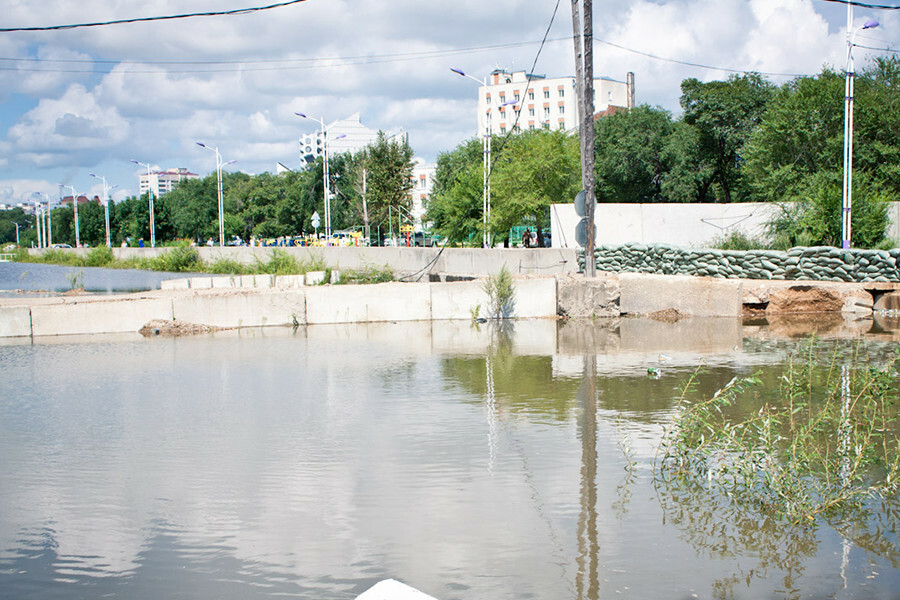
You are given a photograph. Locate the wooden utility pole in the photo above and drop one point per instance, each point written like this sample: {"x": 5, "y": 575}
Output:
{"x": 583, "y": 37}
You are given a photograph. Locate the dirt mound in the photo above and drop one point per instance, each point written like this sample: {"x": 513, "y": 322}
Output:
{"x": 173, "y": 328}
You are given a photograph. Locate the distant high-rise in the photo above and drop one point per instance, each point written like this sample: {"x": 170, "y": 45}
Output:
{"x": 345, "y": 135}
{"x": 162, "y": 182}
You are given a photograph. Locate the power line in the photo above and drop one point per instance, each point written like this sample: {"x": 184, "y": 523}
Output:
{"x": 237, "y": 11}
{"x": 316, "y": 63}
{"x": 864, "y": 4}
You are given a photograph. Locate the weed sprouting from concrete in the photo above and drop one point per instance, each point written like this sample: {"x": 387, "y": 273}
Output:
{"x": 501, "y": 291}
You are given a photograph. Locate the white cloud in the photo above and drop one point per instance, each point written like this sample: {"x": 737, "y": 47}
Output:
{"x": 388, "y": 71}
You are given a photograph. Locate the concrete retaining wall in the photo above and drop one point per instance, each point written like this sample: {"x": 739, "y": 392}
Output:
{"x": 220, "y": 306}
{"x": 822, "y": 263}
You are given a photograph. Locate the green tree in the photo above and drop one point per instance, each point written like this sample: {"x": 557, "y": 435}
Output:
{"x": 455, "y": 205}
{"x": 724, "y": 114}
{"x": 629, "y": 159}
{"x": 535, "y": 169}
{"x": 388, "y": 176}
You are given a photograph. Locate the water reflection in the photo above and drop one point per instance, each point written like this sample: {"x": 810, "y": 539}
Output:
{"x": 468, "y": 462}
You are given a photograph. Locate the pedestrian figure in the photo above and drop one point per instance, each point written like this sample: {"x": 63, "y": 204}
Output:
{"x": 526, "y": 238}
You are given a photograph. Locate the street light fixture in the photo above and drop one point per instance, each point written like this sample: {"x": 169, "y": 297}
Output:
{"x": 326, "y": 188}
{"x": 75, "y": 205}
{"x": 219, "y": 165}
{"x": 106, "y": 189}
{"x": 150, "y": 197}
{"x": 847, "y": 196}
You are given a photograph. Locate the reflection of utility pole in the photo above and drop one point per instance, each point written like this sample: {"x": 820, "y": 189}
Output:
{"x": 587, "y": 583}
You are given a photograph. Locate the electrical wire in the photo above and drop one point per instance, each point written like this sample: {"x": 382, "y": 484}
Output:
{"x": 863, "y": 4}
{"x": 331, "y": 62}
{"x": 236, "y": 11}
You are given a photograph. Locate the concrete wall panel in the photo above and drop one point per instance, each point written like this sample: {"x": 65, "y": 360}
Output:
{"x": 106, "y": 316}
{"x": 536, "y": 298}
{"x": 241, "y": 309}
{"x": 696, "y": 296}
{"x": 15, "y": 321}
{"x": 381, "y": 302}
{"x": 457, "y": 300}
{"x": 175, "y": 284}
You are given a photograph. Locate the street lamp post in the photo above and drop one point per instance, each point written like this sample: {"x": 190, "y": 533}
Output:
{"x": 17, "y": 231}
{"x": 150, "y": 198}
{"x": 847, "y": 196}
{"x": 326, "y": 187}
{"x": 75, "y": 205}
{"x": 486, "y": 161}
{"x": 106, "y": 189}
{"x": 219, "y": 165}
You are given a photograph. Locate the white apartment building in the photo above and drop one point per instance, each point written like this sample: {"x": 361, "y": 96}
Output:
{"x": 422, "y": 184}
{"x": 345, "y": 135}
{"x": 162, "y": 182}
{"x": 509, "y": 101}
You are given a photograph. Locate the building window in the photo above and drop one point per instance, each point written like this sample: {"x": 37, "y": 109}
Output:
{"x": 531, "y": 95}
{"x": 562, "y": 110}
{"x": 546, "y": 93}
{"x": 547, "y": 125}
{"x": 531, "y": 126}
{"x": 487, "y": 100}
{"x": 562, "y": 92}
{"x": 531, "y": 112}
{"x": 516, "y": 98}
{"x": 547, "y": 112}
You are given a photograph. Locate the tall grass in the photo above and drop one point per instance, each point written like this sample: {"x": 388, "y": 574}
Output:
{"x": 180, "y": 258}
{"x": 827, "y": 447}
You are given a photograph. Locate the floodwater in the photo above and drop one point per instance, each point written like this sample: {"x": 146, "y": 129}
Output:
{"x": 467, "y": 462}
{"x": 32, "y": 278}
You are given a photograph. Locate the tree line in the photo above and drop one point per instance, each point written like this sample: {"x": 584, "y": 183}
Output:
{"x": 739, "y": 140}
{"x": 262, "y": 206}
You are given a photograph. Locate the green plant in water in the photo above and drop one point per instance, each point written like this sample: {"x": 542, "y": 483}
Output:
{"x": 827, "y": 448}
{"x": 75, "y": 279}
{"x": 501, "y": 291}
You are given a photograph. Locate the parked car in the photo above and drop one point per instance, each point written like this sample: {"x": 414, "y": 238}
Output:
{"x": 60, "y": 246}
{"x": 422, "y": 239}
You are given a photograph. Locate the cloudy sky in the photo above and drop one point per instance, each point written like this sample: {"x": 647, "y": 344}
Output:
{"x": 87, "y": 100}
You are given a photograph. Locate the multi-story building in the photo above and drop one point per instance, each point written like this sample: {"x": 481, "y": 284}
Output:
{"x": 345, "y": 135}
{"x": 422, "y": 184}
{"x": 162, "y": 182}
{"x": 510, "y": 102}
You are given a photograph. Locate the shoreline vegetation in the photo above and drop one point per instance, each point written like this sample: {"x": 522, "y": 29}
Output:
{"x": 823, "y": 442}
{"x": 184, "y": 258}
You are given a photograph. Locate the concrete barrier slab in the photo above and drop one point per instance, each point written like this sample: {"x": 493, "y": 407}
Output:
{"x": 458, "y": 300}
{"x": 315, "y": 277}
{"x": 290, "y": 282}
{"x": 224, "y": 282}
{"x": 241, "y": 308}
{"x": 201, "y": 283}
{"x": 535, "y": 298}
{"x": 697, "y": 296}
{"x": 367, "y": 303}
{"x": 263, "y": 281}
{"x": 118, "y": 315}
{"x": 15, "y": 321}
{"x": 175, "y": 284}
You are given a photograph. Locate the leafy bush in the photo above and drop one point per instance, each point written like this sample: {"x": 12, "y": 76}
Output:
{"x": 179, "y": 259}
{"x": 100, "y": 256}
{"x": 738, "y": 240}
{"x": 816, "y": 220}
